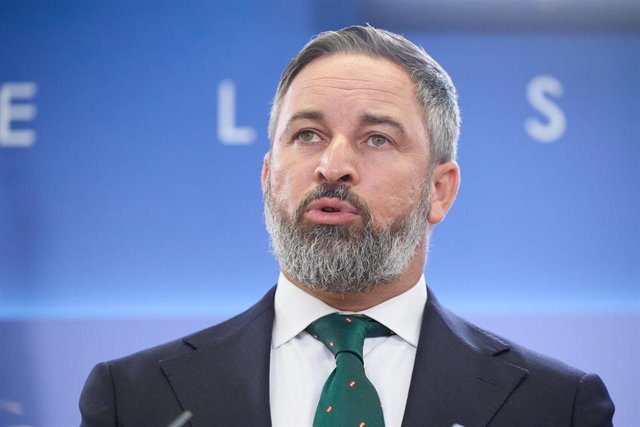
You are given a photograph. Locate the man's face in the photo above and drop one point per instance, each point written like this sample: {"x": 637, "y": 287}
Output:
{"x": 350, "y": 156}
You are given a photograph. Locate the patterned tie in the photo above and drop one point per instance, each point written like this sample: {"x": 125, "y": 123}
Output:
{"x": 348, "y": 398}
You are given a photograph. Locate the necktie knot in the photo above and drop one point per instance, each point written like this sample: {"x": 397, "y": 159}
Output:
{"x": 346, "y": 333}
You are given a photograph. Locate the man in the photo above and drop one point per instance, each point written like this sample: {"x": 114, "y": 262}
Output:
{"x": 363, "y": 135}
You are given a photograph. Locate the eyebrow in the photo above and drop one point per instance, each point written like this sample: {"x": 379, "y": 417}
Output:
{"x": 302, "y": 115}
{"x": 371, "y": 119}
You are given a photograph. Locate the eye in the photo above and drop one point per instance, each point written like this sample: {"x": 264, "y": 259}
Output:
{"x": 378, "y": 141}
{"x": 307, "y": 137}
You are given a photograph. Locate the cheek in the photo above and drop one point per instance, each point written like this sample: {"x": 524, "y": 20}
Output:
{"x": 395, "y": 196}
{"x": 291, "y": 174}
{"x": 285, "y": 189}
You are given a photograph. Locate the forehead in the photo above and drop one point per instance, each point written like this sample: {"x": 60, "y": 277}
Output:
{"x": 353, "y": 71}
{"x": 351, "y": 80}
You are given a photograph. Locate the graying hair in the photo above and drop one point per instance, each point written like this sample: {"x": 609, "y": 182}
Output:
{"x": 435, "y": 90}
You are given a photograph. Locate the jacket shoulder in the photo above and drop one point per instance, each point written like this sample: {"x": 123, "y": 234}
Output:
{"x": 136, "y": 389}
{"x": 210, "y": 335}
{"x": 491, "y": 344}
{"x": 552, "y": 392}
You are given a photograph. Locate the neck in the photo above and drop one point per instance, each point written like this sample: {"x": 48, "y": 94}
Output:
{"x": 376, "y": 294}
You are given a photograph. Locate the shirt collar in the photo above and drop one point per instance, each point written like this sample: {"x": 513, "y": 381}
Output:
{"x": 295, "y": 309}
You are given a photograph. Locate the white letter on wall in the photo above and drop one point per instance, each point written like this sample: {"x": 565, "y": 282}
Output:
{"x": 537, "y": 91}
{"x": 10, "y": 113}
{"x": 228, "y": 133}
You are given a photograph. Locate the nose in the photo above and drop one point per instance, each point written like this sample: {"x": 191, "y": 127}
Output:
{"x": 338, "y": 163}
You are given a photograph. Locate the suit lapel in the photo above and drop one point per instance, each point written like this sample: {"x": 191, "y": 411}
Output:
{"x": 225, "y": 380}
{"x": 456, "y": 376}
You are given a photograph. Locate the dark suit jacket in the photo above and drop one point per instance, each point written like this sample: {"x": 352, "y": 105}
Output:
{"x": 461, "y": 375}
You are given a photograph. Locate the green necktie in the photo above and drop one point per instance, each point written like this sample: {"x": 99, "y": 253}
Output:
{"x": 348, "y": 398}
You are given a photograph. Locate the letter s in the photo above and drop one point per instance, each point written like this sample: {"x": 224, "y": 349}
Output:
{"x": 538, "y": 90}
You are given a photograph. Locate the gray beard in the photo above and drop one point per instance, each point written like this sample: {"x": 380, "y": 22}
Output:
{"x": 345, "y": 259}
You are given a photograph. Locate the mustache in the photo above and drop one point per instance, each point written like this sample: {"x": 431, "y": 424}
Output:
{"x": 337, "y": 191}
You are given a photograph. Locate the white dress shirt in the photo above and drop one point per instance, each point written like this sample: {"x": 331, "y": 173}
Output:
{"x": 300, "y": 364}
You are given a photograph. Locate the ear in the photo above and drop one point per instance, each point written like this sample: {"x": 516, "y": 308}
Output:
{"x": 444, "y": 187}
{"x": 265, "y": 171}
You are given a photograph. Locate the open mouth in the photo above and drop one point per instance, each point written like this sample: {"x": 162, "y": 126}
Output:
{"x": 330, "y": 210}
{"x": 331, "y": 205}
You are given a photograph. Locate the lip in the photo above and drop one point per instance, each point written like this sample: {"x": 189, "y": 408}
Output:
{"x": 344, "y": 211}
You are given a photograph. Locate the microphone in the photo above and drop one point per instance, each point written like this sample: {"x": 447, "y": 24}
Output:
{"x": 181, "y": 420}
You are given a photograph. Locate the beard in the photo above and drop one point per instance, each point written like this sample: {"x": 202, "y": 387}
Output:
{"x": 345, "y": 259}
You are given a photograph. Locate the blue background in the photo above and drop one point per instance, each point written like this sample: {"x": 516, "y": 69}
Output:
{"x": 128, "y": 222}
